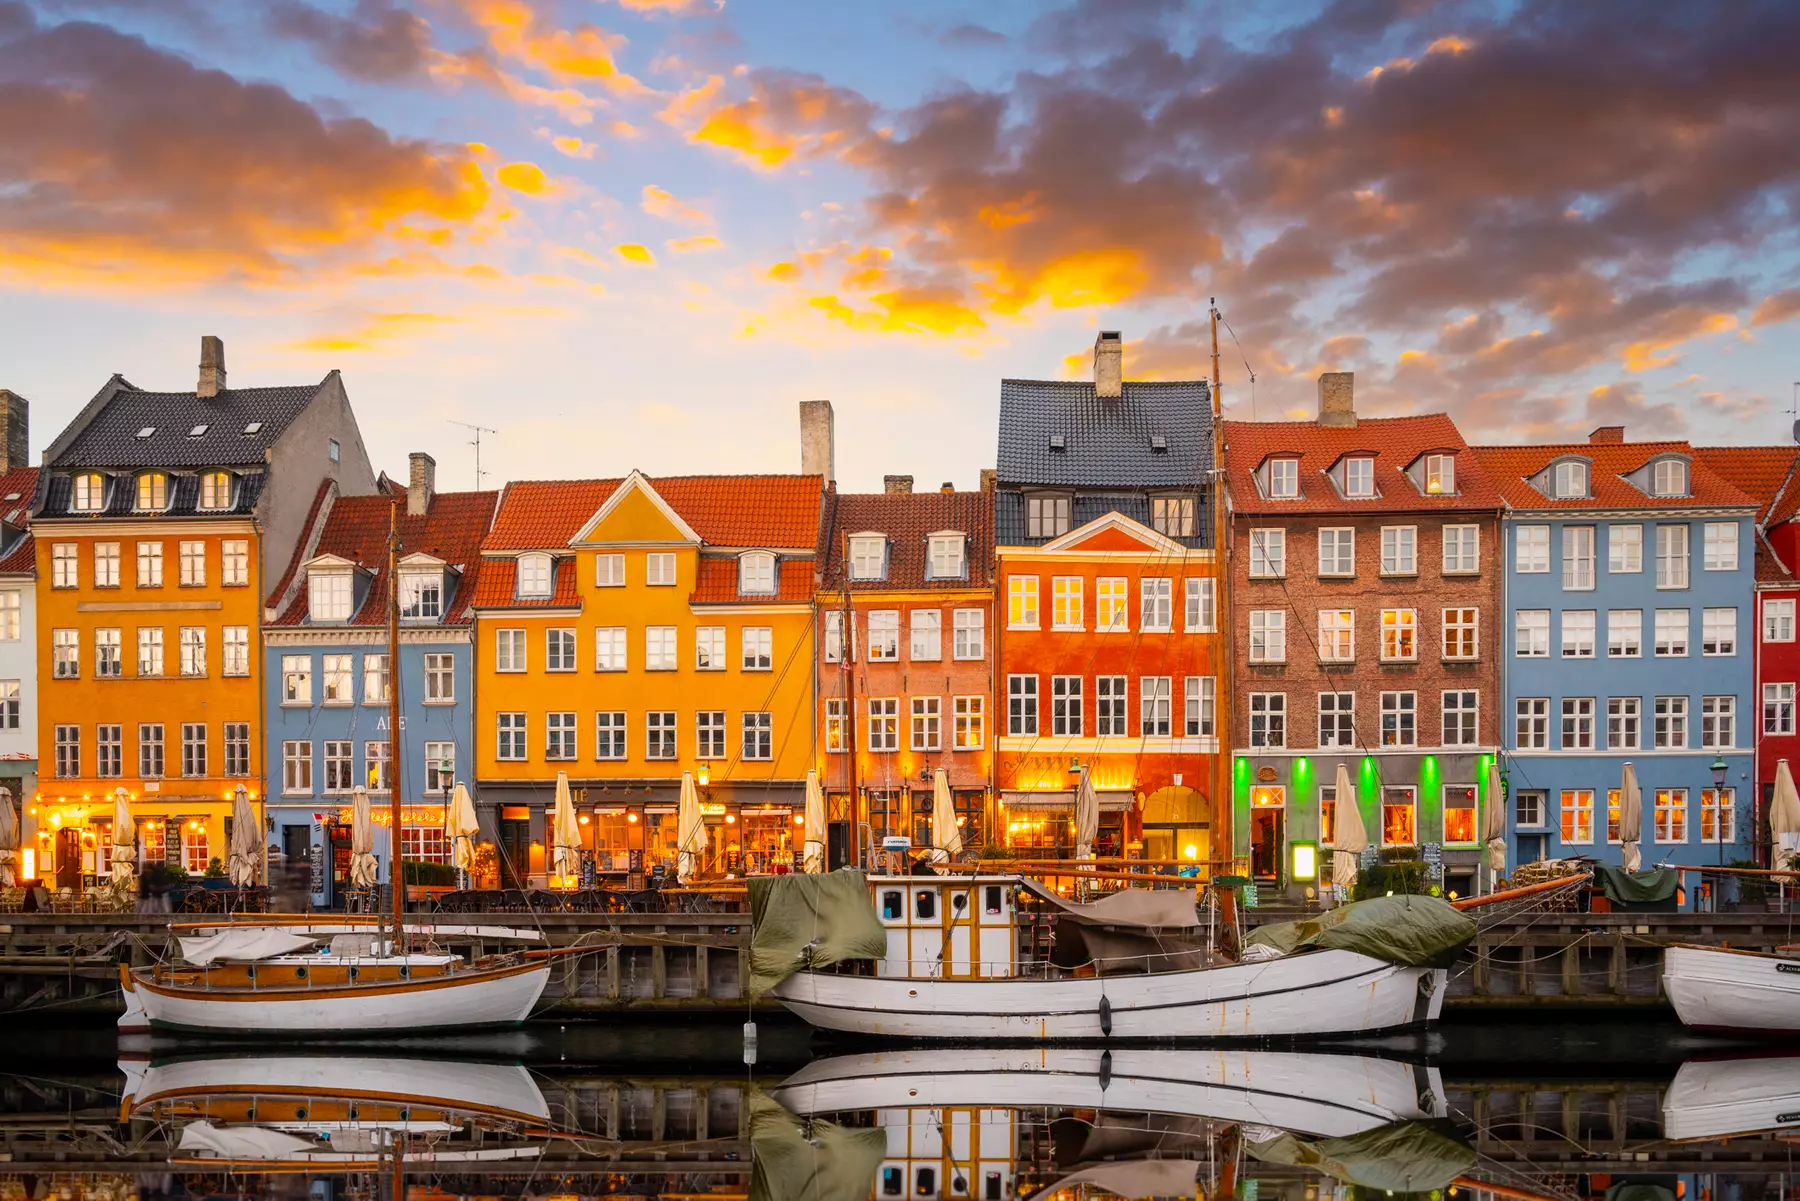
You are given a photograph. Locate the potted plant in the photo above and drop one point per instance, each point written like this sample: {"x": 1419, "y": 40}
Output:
{"x": 215, "y": 877}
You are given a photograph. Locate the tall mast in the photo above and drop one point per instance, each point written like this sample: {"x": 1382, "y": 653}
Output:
{"x": 397, "y": 870}
{"x": 848, "y": 648}
{"x": 1224, "y": 640}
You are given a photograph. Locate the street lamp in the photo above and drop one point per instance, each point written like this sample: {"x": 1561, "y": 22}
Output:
{"x": 1720, "y": 769}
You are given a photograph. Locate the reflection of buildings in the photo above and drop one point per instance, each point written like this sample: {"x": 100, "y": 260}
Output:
{"x": 1108, "y": 645}
{"x": 18, "y": 623}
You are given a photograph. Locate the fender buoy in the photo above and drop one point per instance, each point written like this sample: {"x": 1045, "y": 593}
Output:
{"x": 1105, "y": 1017}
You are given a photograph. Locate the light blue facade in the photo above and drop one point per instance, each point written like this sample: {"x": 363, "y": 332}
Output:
{"x": 1552, "y": 767}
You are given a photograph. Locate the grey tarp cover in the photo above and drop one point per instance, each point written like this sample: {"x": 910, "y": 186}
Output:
{"x": 831, "y": 913}
{"x": 1657, "y": 884}
{"x": 1401, "y": 1157}
{"x": 1412, "y": 931}
{"x": 795, "y": 1160}
{"x": 1132, "y": 930}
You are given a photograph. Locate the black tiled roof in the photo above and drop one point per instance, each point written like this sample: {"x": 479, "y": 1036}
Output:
{"x": 121, "y": 496}
{"x": 1009, "y": 515}
{"x": 1107, "y": 443}
{"x": 111, "y": 440}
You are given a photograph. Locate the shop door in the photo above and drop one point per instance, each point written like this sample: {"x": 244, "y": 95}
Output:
{"x": 837, "y": 845}
{"x": 68, "y": 857}
{"x": 1266, "y": 827}
{"x": 515, "y": 852}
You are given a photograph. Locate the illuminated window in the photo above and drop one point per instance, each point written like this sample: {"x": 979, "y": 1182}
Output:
{"x": 152, "y": 492}
{"x": 1459, "y": 813}
{"x": 1399, "y": 817}
{"x": 1578, "y": 816}
{"x": 1440, "y": 475}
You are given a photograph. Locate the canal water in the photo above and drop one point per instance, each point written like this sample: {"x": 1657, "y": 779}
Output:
{"x": 1613, "y": 1109}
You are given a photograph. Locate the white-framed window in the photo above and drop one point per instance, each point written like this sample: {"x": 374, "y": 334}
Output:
{"x": 1578, "y": 558}
{"x": 1461, "y": 717}
{"x": 1284, "y": 479}
{"x": 109, "y": 655}
{"x": 509, "y": 731}
{"x": 969, "y": 640}
{"x": 1337, "y": 719}
{"x": 868, "y": 556}
{"x": 837, "y": 723}
{"x": 1399, "y": 817}
{"x": 834, "y": 640}
{"x": 1718, "y": 815}
{"x": 1462, "y": 549}
{"x": 296, "y": 769}
{"x": 1172, "y": 516}
{"x": 884, "y": 635}
{"x": 1532, "y": 723}
{"x": 422, "y": 595}
{"x": 559, "y": 735}
{"x": 296, "y": 679}
{"x": 1671, "y": 556}
{"x": 65, "y": 649}
{"x": 1155, "y": 704}
{"x": 1577, "y": 816}
{"x": 340, "y": 767}
{"x": 1156, "y": 604}
{"x": 559, "y": 650}
{"x": 759, "y": 648}
{"x": 328, "y": 595}
{"x": 611, "y": 653}
{"x": 1201, "y": 616}
{"x": 68, "y": 752}
{"x": 1268, "y": 636}
{"x": 237, "y": 748}
{"x": 10, "y": 698}
{"x": 89, "y": 494}
{"x": 1201, "y": 706}
{"x": 1532, "y": 633}
{"x": 1440, "y": 475}
{"x": 659, "y": 734}
{"x": 970, "y": 731}
{"x": 193, "y": 564}
{"x": 884, "y": 724}
{"x": 1359, "y": 478}
{"x": 193, "y": 749}
{"x": 1624, "y": 549}
{"x": 1718, "y": 722}
{"x": 660, "y": 569}
{"x": 756, "y": 574}
{"x": 424, "y": 844}
{"x": 150, "y": 750}
{"x": 150, "y": 651}
{"x": 1046, "y": 516}
{"x": 65, "y": 569}
{"x": 534, "y": 575}
{"x": 1719, "y": 550}
{"x": 609, "y": 571}
{"x": 1399, "y": 550}
{"x": 1268, "y": 554}
{"x": 1671, "y": 815}
{"x": 1022, "y": 602}
{"x": 1718, "y": 632}
{"x": 927, "y": 723}
{"x": 376, "y": 684}
{"x": 1625, "y": 633}
{"x": 1624, "y": 721}
{"x": 661, "y": 652}
{"x": 1671, "y": 633}
{"x": 1065, "y": 706}
{"x": 759, "y": 737}
{"x": 1531, "y": 549}
{"x": 927, "y": 643}
{"x": 709, "y": 733}
{"x": 1778, "y": 619}
{"x": 335, "y": 680}
{"x": 106, "y": 564}
{"x": 1268, "y": 719}
{"x": 1337, "y": 636}
{"x": 1578, "y": 723}
{"x": 375, "y": 760}
{"x": 1669, "y": 719}
{"x": 234, "y": 562}
{"x": 1021, "y": 704}
{"x": 1068, "y": 608}
{"x": 1111, "y": 706}
{"x": 440, "y": 679}
{"x": 1112, "y": 604}
{"x": 109, "y": 753}
{"x": 1528, "y": 807}
{"x": 1399, "y": 635}
{"x": 609, "y": 735}
{"x": 1462, "y": 634}
{"x": 152, "y": 492}
{"x": 509, "y": 650}
{"x": 946, "y": 560}
{"x": 1399, "y": 719}
{"x": 1337, "y": 551}
{"x": 1570, "y": 480}
{"x": 1669, "y": 477}
{"x": 193, "y": 650}
{"x": 1578, "y": 633}
{"x": 709, "y": 646}
{"x": 1778, "y": 708}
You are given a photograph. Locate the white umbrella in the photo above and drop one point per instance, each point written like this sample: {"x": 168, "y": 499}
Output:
{"x": 1631, "y": 817}
{"x": 1087, "y": 816}
{"x": 946, "y": 839}
{"x": 690, "y": 831}
{"x": 246, "y": 841}
{"x": 565, "y": 832}
{"x": 461, "y": 828}
{"x": 9, "y": 839}
{"x": 1348, "y": 839}
{"x": 363, "y": 871}
{"x": 1784, "y": 814}
{"x": 812, "y": 859}
{"x": 1493, "y": 824}
{"x": 124, "y": 837}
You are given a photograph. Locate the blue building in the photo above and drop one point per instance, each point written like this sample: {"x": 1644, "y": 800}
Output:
{"x": 326, "y": 648}
{"x": 1630, "y": 582}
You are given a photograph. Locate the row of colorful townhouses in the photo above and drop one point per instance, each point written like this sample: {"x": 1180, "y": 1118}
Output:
{"x": 195, "y": 589}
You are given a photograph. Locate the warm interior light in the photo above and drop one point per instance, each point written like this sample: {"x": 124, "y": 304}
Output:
{"x": 1305, "y": 861}
{"x": 799, "y": 819}
{"x": 28, "y": 863}
{"x": 631, "y": 817}
{"x": 731, "y": 819}
{"x": 704, "y": 775}
{"x": 1190, "y": 851}
{"x": 583, "y": 819}
{"x": 56, "y": 819}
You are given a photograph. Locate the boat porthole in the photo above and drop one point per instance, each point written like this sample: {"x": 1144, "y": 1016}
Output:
{"x": 251, "y": 970}
{"x": 405, "y": 971}
{"x": 299, "y": 1113}
{"x": 353, "y": 971}
{"x": 406, "y": 1113}
{"x": 912, "y": 992}
{"x": 300, "y": 972}
{"x": 352, "y": 1113}
{"x": 912, "y": 1092}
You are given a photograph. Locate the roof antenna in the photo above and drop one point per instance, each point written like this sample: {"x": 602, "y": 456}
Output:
{"x": 1794, "y": 410}
{"x": 476, "y": 443}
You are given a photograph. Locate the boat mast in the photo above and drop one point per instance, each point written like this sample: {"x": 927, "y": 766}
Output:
{"x": 1224, "y": 802}
{"x": 396, "y": 869}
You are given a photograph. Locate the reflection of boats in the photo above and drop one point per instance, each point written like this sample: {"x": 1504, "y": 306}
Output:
{"x": 341, "y": 1113}
{"x": 1723, "y": 1098}
{"x": 1721, "y": 988}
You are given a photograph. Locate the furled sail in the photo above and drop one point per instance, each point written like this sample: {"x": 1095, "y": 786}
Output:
{"x": 1132, "y": 930}
{"x": 244, "y": 945}
{"x": 1412, "y": 931}
{"x": 802, "y": 921}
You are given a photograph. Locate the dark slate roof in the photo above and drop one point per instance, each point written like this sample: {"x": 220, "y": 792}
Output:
{"x": 121, "y": 497}
{"x": 110, "y": 439}
{"x": 1108, "y": 442}
{"x": 1009, "y": 515}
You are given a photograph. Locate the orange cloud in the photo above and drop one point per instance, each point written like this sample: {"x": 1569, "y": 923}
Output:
{"x": 698, "y": 242}
{"x": 574, "y": 147}
{"x": 519, "y": 32}
{"x": 660, "y": 202}
{"x": 375, "y": 330}
{"x": 528, "y": 178}
{"x": 784, "y": 116}
{"x": 633, "y": 252}
{"x": 911, "y": 311}
{"x": 1780, "y": 307}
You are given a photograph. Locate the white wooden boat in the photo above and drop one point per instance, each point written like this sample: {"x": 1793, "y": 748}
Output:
{"x": 1723, "y": 1098}
{"x": 1719, "y": 988}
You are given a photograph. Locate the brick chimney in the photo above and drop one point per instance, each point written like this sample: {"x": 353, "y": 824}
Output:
{"x": 948, "y": 487}
{"x": 1109, "y": 365}
{"x": 1607, "y": 435}
{"x": 818, "y": 452}
{"x": 421, "y": 484}
{"x": 15, "y": 427}
{"x": 1337, "y": 398}
{"x": 212, "y": 366}
{"x": 988, "y": 476}
{"x": 901, "y": 484}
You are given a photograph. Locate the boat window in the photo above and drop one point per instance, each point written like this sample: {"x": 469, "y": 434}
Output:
{"x": 926, "y": 905}
{"x": 893, "y": 1182}
{"x": 959, "y": 901}
{"x": 299, "y": 1113}
{"x": 992, "y": 903}
{"x": 300, "y": 972}
{"x": 925, "y": 1184}
{"x": 892, "y": 909}
{"x": 993, "y": 1186}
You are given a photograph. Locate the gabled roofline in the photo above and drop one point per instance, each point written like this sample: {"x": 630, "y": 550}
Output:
{"x": 1116, "y": 521}
{"x": 1786, "y": 482}
{"x": 118, "y": 383}
{"x": 330, "y": 560}
{"x": 636, "y": 481}
{"x": 308, "y": 546}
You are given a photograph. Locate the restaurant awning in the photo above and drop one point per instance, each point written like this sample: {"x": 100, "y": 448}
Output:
{"x": 1111, "y": 800}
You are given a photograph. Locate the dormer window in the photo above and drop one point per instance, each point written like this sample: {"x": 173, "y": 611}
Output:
{"x": 215, "y": 490}
{"x": 1440, "y": 475}
{"x": 422, "y": 595}
{"x": 1172, "y": 516}
{"x": 1284, "y": 479}
{"x": 534, "y": 575}
{"x": 153, "y": 492}
{"x": 1359, "y": 478}
{"x": 1570, "y": 480}
{"x": 946, "y": 557}
{"x": 328, "y": 595}
{"x": 90, "y": 493}
{"x": 1046, "y": 516}
{"x": 868, "y": 556}
{"x": 756, "y": 573}
{"x": 1669, "y": 477}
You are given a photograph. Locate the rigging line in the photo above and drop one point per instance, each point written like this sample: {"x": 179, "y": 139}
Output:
{"x": 1246, "y": 361}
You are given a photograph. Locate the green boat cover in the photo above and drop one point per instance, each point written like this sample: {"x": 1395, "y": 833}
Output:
{"x": 1632, "y": 888}
{"x": 809, "y": 921}
{"x": 1412, "y": 931}
{"x": 816, "y": 1160}
{"x": 1401, "y": 1157}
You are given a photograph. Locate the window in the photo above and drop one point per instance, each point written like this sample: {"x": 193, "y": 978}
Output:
{"x": 1110, "y": 707}
{"x": 1532, "y": 633}
{"x": 1720, "y": 548}
{"x": 1268, "y": 719}
{"x": 759, "y": 647}
{"x": 1268, "y": 636}
{"x": 89, "y": 495}
{"x": 1022, "y": 602}
{"x": 1155, "y": 701}
{"x": 1268, "y": 554}
{"x": 1625, "y": 633}
{"x": 375, "y": 679}
{"x": 1670, "y": 723}
{"x": 1578, "y": 723}
{"x": 1718, "y": 815}
{"x": 1462, "y": 633}
{"x": 234, "y": 562}
{"x": 1718, "y": 722}
{"x": 1284, "y": 478}
{"x": 237, "y": 748}
{"x": 108, "y": 752}
{"x": 68, "y": 752}
{"x": 65, "y": 572}
{"x": 1614, "y": 809}
{"x": 1172, "y": 516}
{"x": 375, "y": 760}
{"x": 1337, "y": 552}
{"x": 9, "y": 704}
{"x": 1778, "y": 621}
{"x": 1532, "y": 549}
{"x": 422, "y": 595}
{"x": 1337, "y": 719}
{"x": 152, "y": 491}
{"x": 1671, "y": 556}
{"x": 609, "y": 736}
{"x": 970, "y": 637}
{"x": 1578, "y": 816}
{"x": 837, "y": 733}
{"x": 1578, "y": 558}
{"x": 193, "y": 564}
{"x": 927, "y": 723}
{"x": 946, "y": 556}
{"x": 1201, "y": 605}
{"x": 1669, "y": 477}
{"x": 193, "y": 749}
{"x": 1718, "y": 632}
{"x": 150, "y": 651}
{"x": 1399, "y": 630}
{"x": 65, "y": 646}
{"x": 1671, "y": 815}
{"x": 559, "y": 736}
{"x": 1578, "y": 633}
{"x": 1156, "y": 604}
{"x": 150, "y": 751}
{"x": 1528, "y": 807}
{"x": 1399, "y": 719}
{"x": 237, "y": 651}
{"x": 756, "y": 574}
{"x": 1046, "y": 516}
{"x": 1778, "y": 708}
{"x": 884, "y": 635}
{"x": 1202, "y": 704}
{"x": 1359, "y": 477}
{"x": 659, "y": 648}
{"x": 1399, "y": 550}
{"x": 193, "y": 653}
{"x": 106, "y": 564}
{"x": 609, "y": 649}
{"x": 884, "y": 724}
{"x": 109, "y": 658}
{"x": 758, "y": 737}
{"x": 424, "y": 844}
{"x": 1462, "y": 549}
{"x": 927, "y": 635}
{"x": 609, "y": 571}
{"x": 1399, "y": 817}
{"x": 328, "y": 595}
{"x": 1327, "y": 815}
{"x": 331, "y": 449}
{"x": 1065, "y": 706}
{"x": 868, "y": 557}
{"x": 1624, "y": 548}
{"x": 709, "y": 647}
{"x": 1460, "y": 724}
{"x": 659, "y": 569}
{"x": 534, "y": 575}
{"x": 1671, "y": 633}
{"x": 340, "y": 767}
{"x": 149, "y": 565}
{"x": 659, "y": 735}
{"x": 296, "y": 768}
{"x": 1021, "y": 705}
{"x": 1533, "y": 717}
{"x": 1571, "y": 480}
{"x": 1067, "y": 605}
{"x": 709, "y": 733}
{"x": 215, "y": 490}
{"x": 1112, "y": 603}
{"x": 1623, "y": 718}
{"x": 334, "y": 680}
{"x": 970, "y": 714}
{"x": 440, "y": 679}
{"x": 1337, "y": 636}
{"x": 559, "y": 650}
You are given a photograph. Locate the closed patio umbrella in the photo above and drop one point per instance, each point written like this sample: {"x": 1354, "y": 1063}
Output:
{"x": 690, "y": 831}
{"x": 246, "y": 840}
{"x": 363, "y": 870}
{"x": 1784, "y": 814}
{"x": 9, "y": 840}
{"x": 124, "y": 837}
{"x": 1087, "y": 816}
{"x": 946, "y": 839}
{"x": 565, "y": 832}
{"x": 812, "y": 858}
{"x": 1349, "y": 839}
{"x": 1493, "y": 825}
{"x": 461, "y": 828}
{"x": 1631, "y": 817}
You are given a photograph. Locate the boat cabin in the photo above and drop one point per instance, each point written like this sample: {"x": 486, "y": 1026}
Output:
{"x": 947, "y": 927}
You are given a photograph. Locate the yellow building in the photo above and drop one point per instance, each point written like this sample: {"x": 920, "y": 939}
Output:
{"x": 155, "y": 517}
{"x": 630, "y": 630}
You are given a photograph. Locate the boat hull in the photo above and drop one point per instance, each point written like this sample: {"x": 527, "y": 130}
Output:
{"x": 490, "y": 1090}
{"x": 1316, "y": 994}
{"x": 1741, "y": 991}
{"x": 1724, "y": 1098}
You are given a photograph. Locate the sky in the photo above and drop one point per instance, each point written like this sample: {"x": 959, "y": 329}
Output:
{"x": 636, "y": 233}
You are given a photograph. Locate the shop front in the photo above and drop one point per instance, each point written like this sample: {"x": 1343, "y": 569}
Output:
{"x": 67, "y": 843}
{"x": 900, "y": 812}
{"x": 1041, "y": 825}
{"x": 310, "y": 844}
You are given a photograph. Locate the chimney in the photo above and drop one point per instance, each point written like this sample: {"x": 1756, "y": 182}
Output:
{"x": 818, "y": 455}
{"x": 421, "y": 484}
{"x": 989, "y": 475}
{"x": 1337, "y": 398}
{"x": 1109, "y": 365}
{"x": 948, "y": 487}
{"x": 896, "y": 484}
{"x": 15, "y": 426}
{"x": 1607, "y": 435}
{"x": 212, "y": 366}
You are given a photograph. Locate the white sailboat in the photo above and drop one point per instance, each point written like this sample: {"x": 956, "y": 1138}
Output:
{"x": 1733, "y": 991}
{"x": 1724, "y": 1098}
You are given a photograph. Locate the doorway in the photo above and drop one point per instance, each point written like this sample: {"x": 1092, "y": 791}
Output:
{"x": 68, "y": 858}
{"x": 1266, "y": 829}
{"x": 515, "y": 852}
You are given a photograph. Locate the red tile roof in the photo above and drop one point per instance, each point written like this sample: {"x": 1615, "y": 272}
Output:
{"x": 1765, "y": 473}
{"x": 500, "y": 582}
{"x": 908, "y": 518}
{"x": 17, "y": 488}
{"x": 1394, "y": 442}
{"x": 774, "y": 511}
{"x": 718, "y": 583}
{"x": 1769, "y": 567}
{"x": 22, "y": 558}
{"x": 1511, "y": 466}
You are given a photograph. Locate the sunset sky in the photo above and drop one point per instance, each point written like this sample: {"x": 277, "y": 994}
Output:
{"x": 634, "y": 233}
